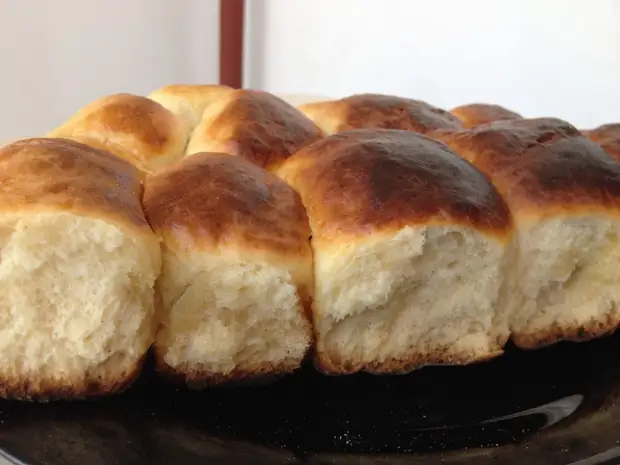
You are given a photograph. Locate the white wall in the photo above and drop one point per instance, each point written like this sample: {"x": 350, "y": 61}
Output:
{"x": 57, "y": 56}
{"x": 539, "y": 57}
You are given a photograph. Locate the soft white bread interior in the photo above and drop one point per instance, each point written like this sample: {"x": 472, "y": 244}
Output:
{"x": 132, "y": 127}
{"x": 564, "y": 194}
{"x": 254, "y": 125}
{"x": 412, "y": 253}
{"x": 378, "y": 111}
{"x": 189, "y": 101}
{"x": 79, "y": 263}
{"x": 236, "y": 281}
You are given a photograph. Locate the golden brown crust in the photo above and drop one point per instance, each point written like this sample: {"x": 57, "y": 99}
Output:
{"x": 594, "y": 329}
{"x": 130, "y": 126}
{"x": 63, "y": 175}
{"x": 196, "y": 378}
{"x": 402, "y": 365}
{"x": 541, "y": 164}
{"x": 475, "y": 114}
{"x": 189, "y": 101}
{"x": 254, "y": 125}
{"x": 117, "y": 150}
{"x": 109, "y": 381}
{"x": 608, "y": 137}
{"x": 361, "y": 181}
{"x": 191, "y": 91}
{"x": 379, "y": 111}
{"x": 211, "y": 199}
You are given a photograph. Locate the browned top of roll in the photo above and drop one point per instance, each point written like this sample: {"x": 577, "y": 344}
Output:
{"x": 378, "y": 111}
{"x": 361, "y": 181}
{"x": 207, "y": 200}
{"x": 254, "y": 125}
{"x": 607, "y": 136}
{"x": 130, "y": 126}
{"x": 42, "y": 174}
{"x": 193, "y": 91}
{"x": 189, "y": 101}
{"x": 475, "y": 114}
{"x": 541, "y": 164}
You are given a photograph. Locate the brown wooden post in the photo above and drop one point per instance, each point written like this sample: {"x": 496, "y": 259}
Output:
{"x": 231, "y": 42}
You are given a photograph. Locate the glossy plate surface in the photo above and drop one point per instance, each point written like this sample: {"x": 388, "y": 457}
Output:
{"x": 559, "y": 405}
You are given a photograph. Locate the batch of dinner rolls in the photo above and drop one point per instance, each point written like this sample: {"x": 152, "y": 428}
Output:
{"x": 236, "y": 236}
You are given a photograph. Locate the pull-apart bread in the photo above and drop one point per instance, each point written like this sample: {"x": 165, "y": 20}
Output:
{"x": 236, "y": 283}
{"x": 79, "y": 262}
{"x": 132, "y": 127}
{"x": 608, "y": 137}
{"x": 189, "y": 102}
{"x": 412, "y": 247}
{"x": 475, "y": 114}
{"x": 365, "y": 111}
{"x": 254, "y": 125}
{"x": 564, "y": 194}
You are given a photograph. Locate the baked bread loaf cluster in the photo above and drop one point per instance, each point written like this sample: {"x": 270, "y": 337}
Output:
{"x": 237, "y": 235}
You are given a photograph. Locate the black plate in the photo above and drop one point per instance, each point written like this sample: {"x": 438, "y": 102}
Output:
{"x": 553, "y": 406}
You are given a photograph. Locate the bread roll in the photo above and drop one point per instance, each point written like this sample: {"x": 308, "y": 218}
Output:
{"x": 189, "y": 101}
{"x": 476, "y": 114}
{"x": 132, "y": 127}
{"x": 237, "y": 270}
{"x": 255, "y": 125}
{"x": 78, "y": 267}
{"x": 297, "y": 99}
{"x": 564, "y": 194}
{"x": 608, "y": 137}
{"x": 378, "y": 111}
{"x": 411, "y": 245}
